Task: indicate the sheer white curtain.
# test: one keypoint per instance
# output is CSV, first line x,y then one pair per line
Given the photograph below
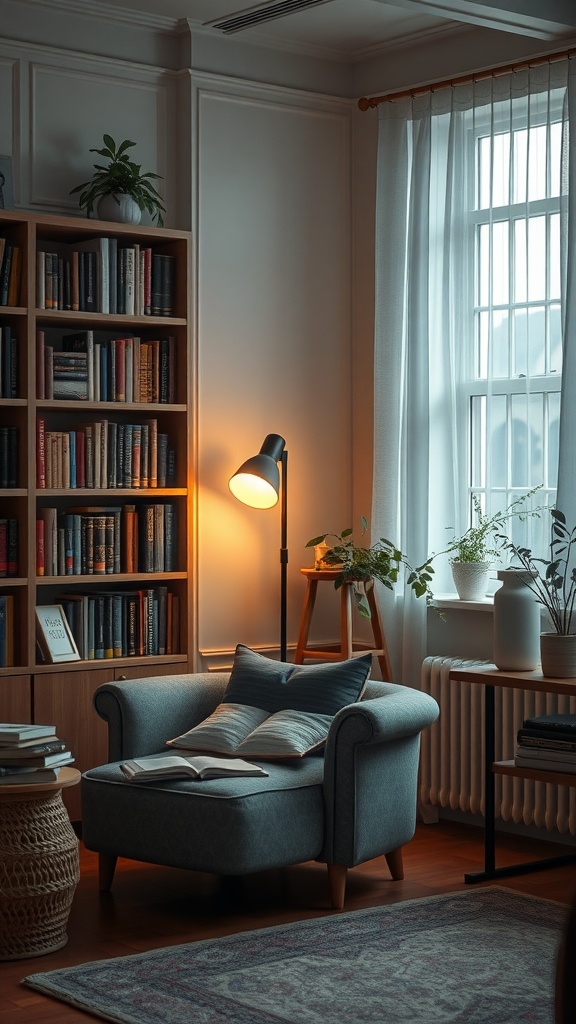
x,y
443,310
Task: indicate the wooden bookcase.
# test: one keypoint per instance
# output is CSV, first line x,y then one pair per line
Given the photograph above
x,y
61,694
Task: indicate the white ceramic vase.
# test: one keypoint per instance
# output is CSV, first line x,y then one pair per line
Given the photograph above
x,y
470,579
120,208
558,655
516,632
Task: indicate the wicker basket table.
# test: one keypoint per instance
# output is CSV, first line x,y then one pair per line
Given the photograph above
x,y
39,867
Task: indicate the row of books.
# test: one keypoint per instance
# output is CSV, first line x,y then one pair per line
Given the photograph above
x,y
101,276
104,454
105,369
104,541
8,363
6,630
8,547
30,754
136,623
9,456
547,742
10,273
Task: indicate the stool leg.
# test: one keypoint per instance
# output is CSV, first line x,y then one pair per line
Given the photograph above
x,y
346,621
307,610
379,638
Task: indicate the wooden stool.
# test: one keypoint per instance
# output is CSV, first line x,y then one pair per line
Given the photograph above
x,y
345,651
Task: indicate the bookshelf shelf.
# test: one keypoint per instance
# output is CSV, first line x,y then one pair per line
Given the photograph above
x,y
36,333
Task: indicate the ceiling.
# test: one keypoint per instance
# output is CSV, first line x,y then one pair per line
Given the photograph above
x,y
353,29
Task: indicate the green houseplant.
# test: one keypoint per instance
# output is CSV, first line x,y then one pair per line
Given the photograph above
x,y
553,582
120,177
473,552
361,565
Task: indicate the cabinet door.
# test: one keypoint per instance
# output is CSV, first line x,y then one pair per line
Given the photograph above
x,y
65,699
15,699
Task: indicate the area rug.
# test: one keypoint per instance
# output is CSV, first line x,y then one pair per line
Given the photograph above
x,y
483,956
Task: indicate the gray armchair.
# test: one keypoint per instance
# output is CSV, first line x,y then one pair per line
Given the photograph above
x,y
354,803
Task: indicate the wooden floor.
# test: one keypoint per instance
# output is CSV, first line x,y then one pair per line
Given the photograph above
x,y
150,907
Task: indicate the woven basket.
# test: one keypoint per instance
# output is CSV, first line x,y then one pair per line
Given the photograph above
x,y
38,876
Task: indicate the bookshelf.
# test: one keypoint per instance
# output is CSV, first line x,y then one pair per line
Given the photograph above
x,y
128,419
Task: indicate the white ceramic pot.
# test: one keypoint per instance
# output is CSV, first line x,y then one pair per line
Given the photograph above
x,y
516,634
558,655
470,579
120,208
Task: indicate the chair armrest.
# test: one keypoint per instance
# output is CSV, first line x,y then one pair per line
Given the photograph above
x,y
143,713
371,773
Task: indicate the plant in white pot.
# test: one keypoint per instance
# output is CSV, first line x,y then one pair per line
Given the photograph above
x,y
361,565
473,553
553,583
119,190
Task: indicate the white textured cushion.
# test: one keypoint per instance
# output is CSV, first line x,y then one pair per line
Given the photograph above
x,y
247,731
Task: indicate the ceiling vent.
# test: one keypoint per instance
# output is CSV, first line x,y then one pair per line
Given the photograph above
x,y
262,13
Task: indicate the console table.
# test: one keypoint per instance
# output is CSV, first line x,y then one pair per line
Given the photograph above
x,y
490,677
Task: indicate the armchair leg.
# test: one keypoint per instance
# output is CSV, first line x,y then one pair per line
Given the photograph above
x,y
337,883
106,869
395,864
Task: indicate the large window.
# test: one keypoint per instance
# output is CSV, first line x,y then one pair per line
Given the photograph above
x,y
514,366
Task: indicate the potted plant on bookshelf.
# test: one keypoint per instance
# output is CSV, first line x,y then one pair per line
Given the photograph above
x,y
361,565
473,553
119,190
553,583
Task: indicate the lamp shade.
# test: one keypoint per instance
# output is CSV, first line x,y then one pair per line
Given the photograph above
x,y
257,481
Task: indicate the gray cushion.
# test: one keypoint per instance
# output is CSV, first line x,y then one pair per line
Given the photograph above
x,y
250,732
273,709
271,685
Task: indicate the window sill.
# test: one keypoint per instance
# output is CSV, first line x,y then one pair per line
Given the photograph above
x,y
444,601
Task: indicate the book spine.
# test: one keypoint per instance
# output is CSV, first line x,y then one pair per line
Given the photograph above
x,y
40,453
40,366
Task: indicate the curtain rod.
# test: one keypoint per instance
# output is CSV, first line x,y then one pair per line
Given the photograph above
x,y
367,103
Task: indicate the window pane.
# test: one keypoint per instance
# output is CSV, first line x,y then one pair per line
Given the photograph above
x,y
551,476
537,258
478,438
499,443
520,261
501,170
537,341
481,361
554,272
500,257
519,443
520,163
555,157
555,328
537,168
500,343
484,264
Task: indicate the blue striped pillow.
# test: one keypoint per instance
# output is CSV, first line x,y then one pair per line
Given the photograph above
x,y
321,688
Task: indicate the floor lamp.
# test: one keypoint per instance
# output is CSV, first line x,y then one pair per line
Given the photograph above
x,y
258,483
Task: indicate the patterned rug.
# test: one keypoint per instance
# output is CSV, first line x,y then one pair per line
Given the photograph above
x,y
482,956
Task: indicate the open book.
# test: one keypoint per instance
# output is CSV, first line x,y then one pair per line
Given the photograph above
x,y
174,767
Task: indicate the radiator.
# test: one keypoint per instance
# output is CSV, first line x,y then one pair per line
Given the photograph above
x,y
452,773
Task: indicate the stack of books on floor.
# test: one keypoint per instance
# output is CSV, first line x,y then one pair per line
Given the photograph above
x,y
30,754
547,742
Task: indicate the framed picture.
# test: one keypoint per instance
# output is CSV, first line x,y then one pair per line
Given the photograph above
x,y
6,184
53,634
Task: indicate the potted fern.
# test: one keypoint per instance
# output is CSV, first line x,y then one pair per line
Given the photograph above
x,y
473,553
119,190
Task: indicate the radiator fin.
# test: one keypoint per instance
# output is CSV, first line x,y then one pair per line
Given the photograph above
x,y
452,774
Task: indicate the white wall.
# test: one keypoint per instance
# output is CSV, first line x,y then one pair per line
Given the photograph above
x,y
266,158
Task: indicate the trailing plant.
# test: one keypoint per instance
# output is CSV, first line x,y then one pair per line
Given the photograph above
x,y
553,580
361,565
120,176
483,541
